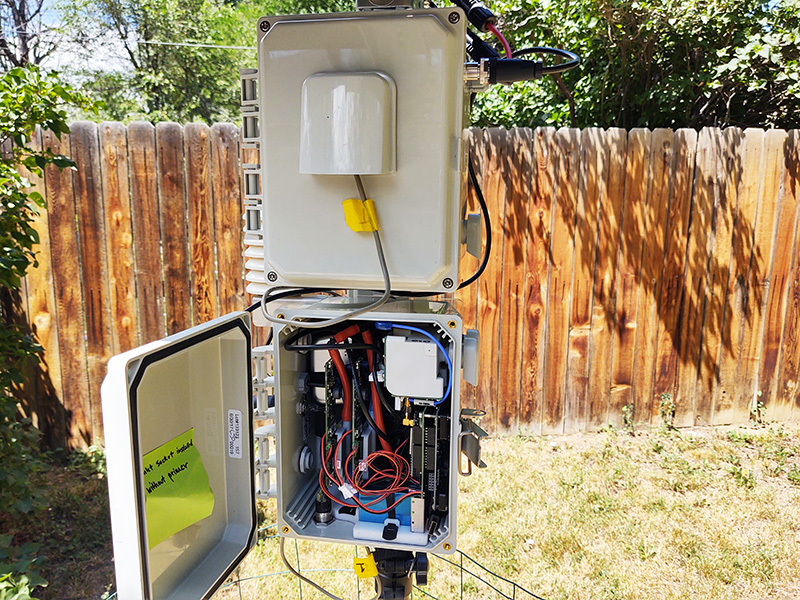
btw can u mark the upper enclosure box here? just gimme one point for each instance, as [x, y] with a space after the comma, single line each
[378, 94]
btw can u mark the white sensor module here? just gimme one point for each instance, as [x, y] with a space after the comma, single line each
[412, 368]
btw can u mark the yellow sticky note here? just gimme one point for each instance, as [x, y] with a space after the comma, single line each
[176, 488]
[365, 567]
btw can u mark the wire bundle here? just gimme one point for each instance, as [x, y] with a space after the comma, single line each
[397, 486]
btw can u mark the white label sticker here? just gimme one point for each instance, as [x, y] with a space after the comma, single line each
[234, 433]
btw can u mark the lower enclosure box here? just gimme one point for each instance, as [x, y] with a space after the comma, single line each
[367, 418]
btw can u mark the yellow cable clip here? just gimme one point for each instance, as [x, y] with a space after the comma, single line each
[365, 568]
[360, 216]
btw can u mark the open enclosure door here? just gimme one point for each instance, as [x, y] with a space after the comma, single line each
[179, 430]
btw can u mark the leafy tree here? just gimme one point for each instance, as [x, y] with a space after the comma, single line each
[24, 35]
[27, 98]
[655, 63]
[158, 78]
[161, 79]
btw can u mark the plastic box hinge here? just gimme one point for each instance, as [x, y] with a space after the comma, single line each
[249, 86]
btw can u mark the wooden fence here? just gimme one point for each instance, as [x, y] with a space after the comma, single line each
[630, 269]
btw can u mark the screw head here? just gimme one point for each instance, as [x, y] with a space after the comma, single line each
[285, 529]
[454, 17]
[264, 26]
[448, 283]
[452, 324]
[447, 546]
[272, 276]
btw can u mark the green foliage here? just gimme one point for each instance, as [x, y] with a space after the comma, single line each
[18, 570]
[88, 463]
[667, 63]
[628, 412]
[666, 409]
[163, 80]
[758, 412]
[794, 475]
[27, 98]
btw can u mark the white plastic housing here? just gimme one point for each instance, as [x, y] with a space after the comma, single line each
[152, 394]
[348, 124]
[412, 368]
[417, 199]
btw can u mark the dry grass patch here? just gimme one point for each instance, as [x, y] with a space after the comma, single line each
[703, 513]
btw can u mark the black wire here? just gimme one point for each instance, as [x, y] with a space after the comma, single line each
[334, 346]
[321, 332]
[487, 225]
[362, 404]
[573, 60]
[381, 397]
[286, 294]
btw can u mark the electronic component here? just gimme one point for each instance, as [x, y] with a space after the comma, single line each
[412, 368]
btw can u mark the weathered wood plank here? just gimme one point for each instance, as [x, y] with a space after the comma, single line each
[758, 279]
[47, 387]
[467, 297]
[778, 408]
[581, 411]
[736, 310]
[68, 296]
[787, 387]
[146, 232]
[201, 222]
[656, 221]
[536, 281]
[494, 189]
[647, 160]
[728, 169]
[604, 291]
[693, 302]
[227, 217]
[566, 150]
[675, 253]
[119, 236]
[87, 182]
[516, 224]
[174, 239]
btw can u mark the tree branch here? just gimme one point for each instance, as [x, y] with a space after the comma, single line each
[562, 87]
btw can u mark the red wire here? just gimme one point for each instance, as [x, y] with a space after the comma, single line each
[358, 503]
[503, 40]
[336, 357]
[377, 409]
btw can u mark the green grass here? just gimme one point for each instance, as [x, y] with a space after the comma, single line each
[703, 513]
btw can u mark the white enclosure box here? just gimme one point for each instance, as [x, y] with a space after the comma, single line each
[178, 424]
[376, 93]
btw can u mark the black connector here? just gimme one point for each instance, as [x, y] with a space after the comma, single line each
[390, 531]
[510, 70]
[477, 48]
[480, 16]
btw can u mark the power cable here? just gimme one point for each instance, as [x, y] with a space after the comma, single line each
[487, 225]
[195, 45]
